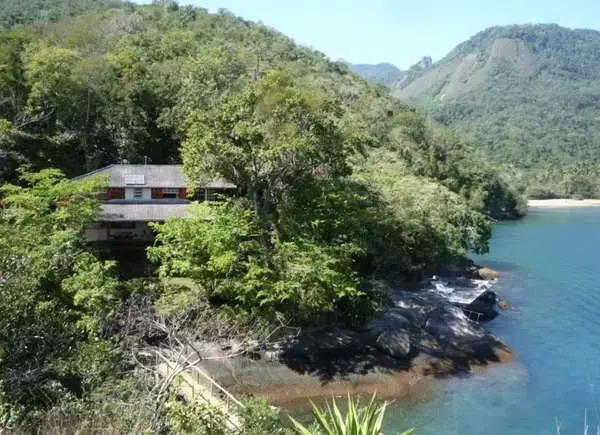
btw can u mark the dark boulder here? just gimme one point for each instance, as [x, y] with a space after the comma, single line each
[420, 324]
[456, 334]
[483, 308]
[328, 352]
[416, 306]
[392, 333]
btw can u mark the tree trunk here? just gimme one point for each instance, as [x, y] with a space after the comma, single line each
[256, 201]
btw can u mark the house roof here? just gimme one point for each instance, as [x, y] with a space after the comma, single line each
[145, 212]
[165, 176]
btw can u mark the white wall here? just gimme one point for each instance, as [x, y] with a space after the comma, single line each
[147, 194]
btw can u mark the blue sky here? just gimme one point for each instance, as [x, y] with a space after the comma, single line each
[399, 31]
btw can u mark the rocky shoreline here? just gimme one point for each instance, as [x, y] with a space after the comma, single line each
[419, 338]
[413, 382]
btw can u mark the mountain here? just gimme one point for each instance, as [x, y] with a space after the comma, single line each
[388, 75]
[529, 95]
[380, 73]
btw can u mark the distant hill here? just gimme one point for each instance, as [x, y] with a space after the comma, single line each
[380, 73]
[390, 75]
[528, 94]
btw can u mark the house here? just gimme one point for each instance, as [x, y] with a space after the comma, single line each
[139, 194]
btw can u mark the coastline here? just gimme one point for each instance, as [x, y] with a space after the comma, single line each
[416, 381]
[406, 353]
[562, 203]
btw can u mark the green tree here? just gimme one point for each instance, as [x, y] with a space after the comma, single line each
[268, 139]
[221, 248]
[55, 294]
[49, 74]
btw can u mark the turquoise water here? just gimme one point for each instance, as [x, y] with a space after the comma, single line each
[551, 267]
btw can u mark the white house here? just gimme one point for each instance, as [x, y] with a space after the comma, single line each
[138, 194]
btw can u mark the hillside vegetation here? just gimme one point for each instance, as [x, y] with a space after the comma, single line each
[527, 96]
[344, 192]
[15, 12]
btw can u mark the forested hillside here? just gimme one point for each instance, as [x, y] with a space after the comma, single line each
[15, 12]
[119, 86]
[345, 191]
[527, 96]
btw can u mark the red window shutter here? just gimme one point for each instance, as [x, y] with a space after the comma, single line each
[115, 193]
[183, 193]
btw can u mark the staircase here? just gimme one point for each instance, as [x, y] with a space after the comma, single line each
[197, 385]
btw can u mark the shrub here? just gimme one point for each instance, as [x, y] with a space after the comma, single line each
[367, 420]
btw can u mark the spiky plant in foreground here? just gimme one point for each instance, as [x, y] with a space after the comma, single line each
[367, 420]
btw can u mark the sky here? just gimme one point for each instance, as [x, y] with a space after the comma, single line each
[399, 31]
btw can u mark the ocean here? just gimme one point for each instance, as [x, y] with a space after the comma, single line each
[550, 262]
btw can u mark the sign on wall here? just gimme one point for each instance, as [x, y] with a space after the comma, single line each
[134, 179]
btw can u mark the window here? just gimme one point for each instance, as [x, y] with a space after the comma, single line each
[170, 193]
[138, 193]
[115, 193]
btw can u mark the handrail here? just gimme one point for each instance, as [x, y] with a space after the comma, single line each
[206, 377]
[219, 387]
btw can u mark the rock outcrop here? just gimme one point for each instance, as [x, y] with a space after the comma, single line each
[418, 323]
[392, 333]
[487, 273]
[503, 304]
[475, 296]
[443, 329]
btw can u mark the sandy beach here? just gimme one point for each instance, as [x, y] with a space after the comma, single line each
[562, 203]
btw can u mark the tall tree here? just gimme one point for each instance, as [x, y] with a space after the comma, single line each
[269, 139]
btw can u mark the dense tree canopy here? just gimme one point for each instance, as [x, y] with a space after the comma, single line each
[267, 139]
[56, 296]
[15, 12]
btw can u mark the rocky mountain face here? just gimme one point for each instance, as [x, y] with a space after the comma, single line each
[527, 94]
[388, 75]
